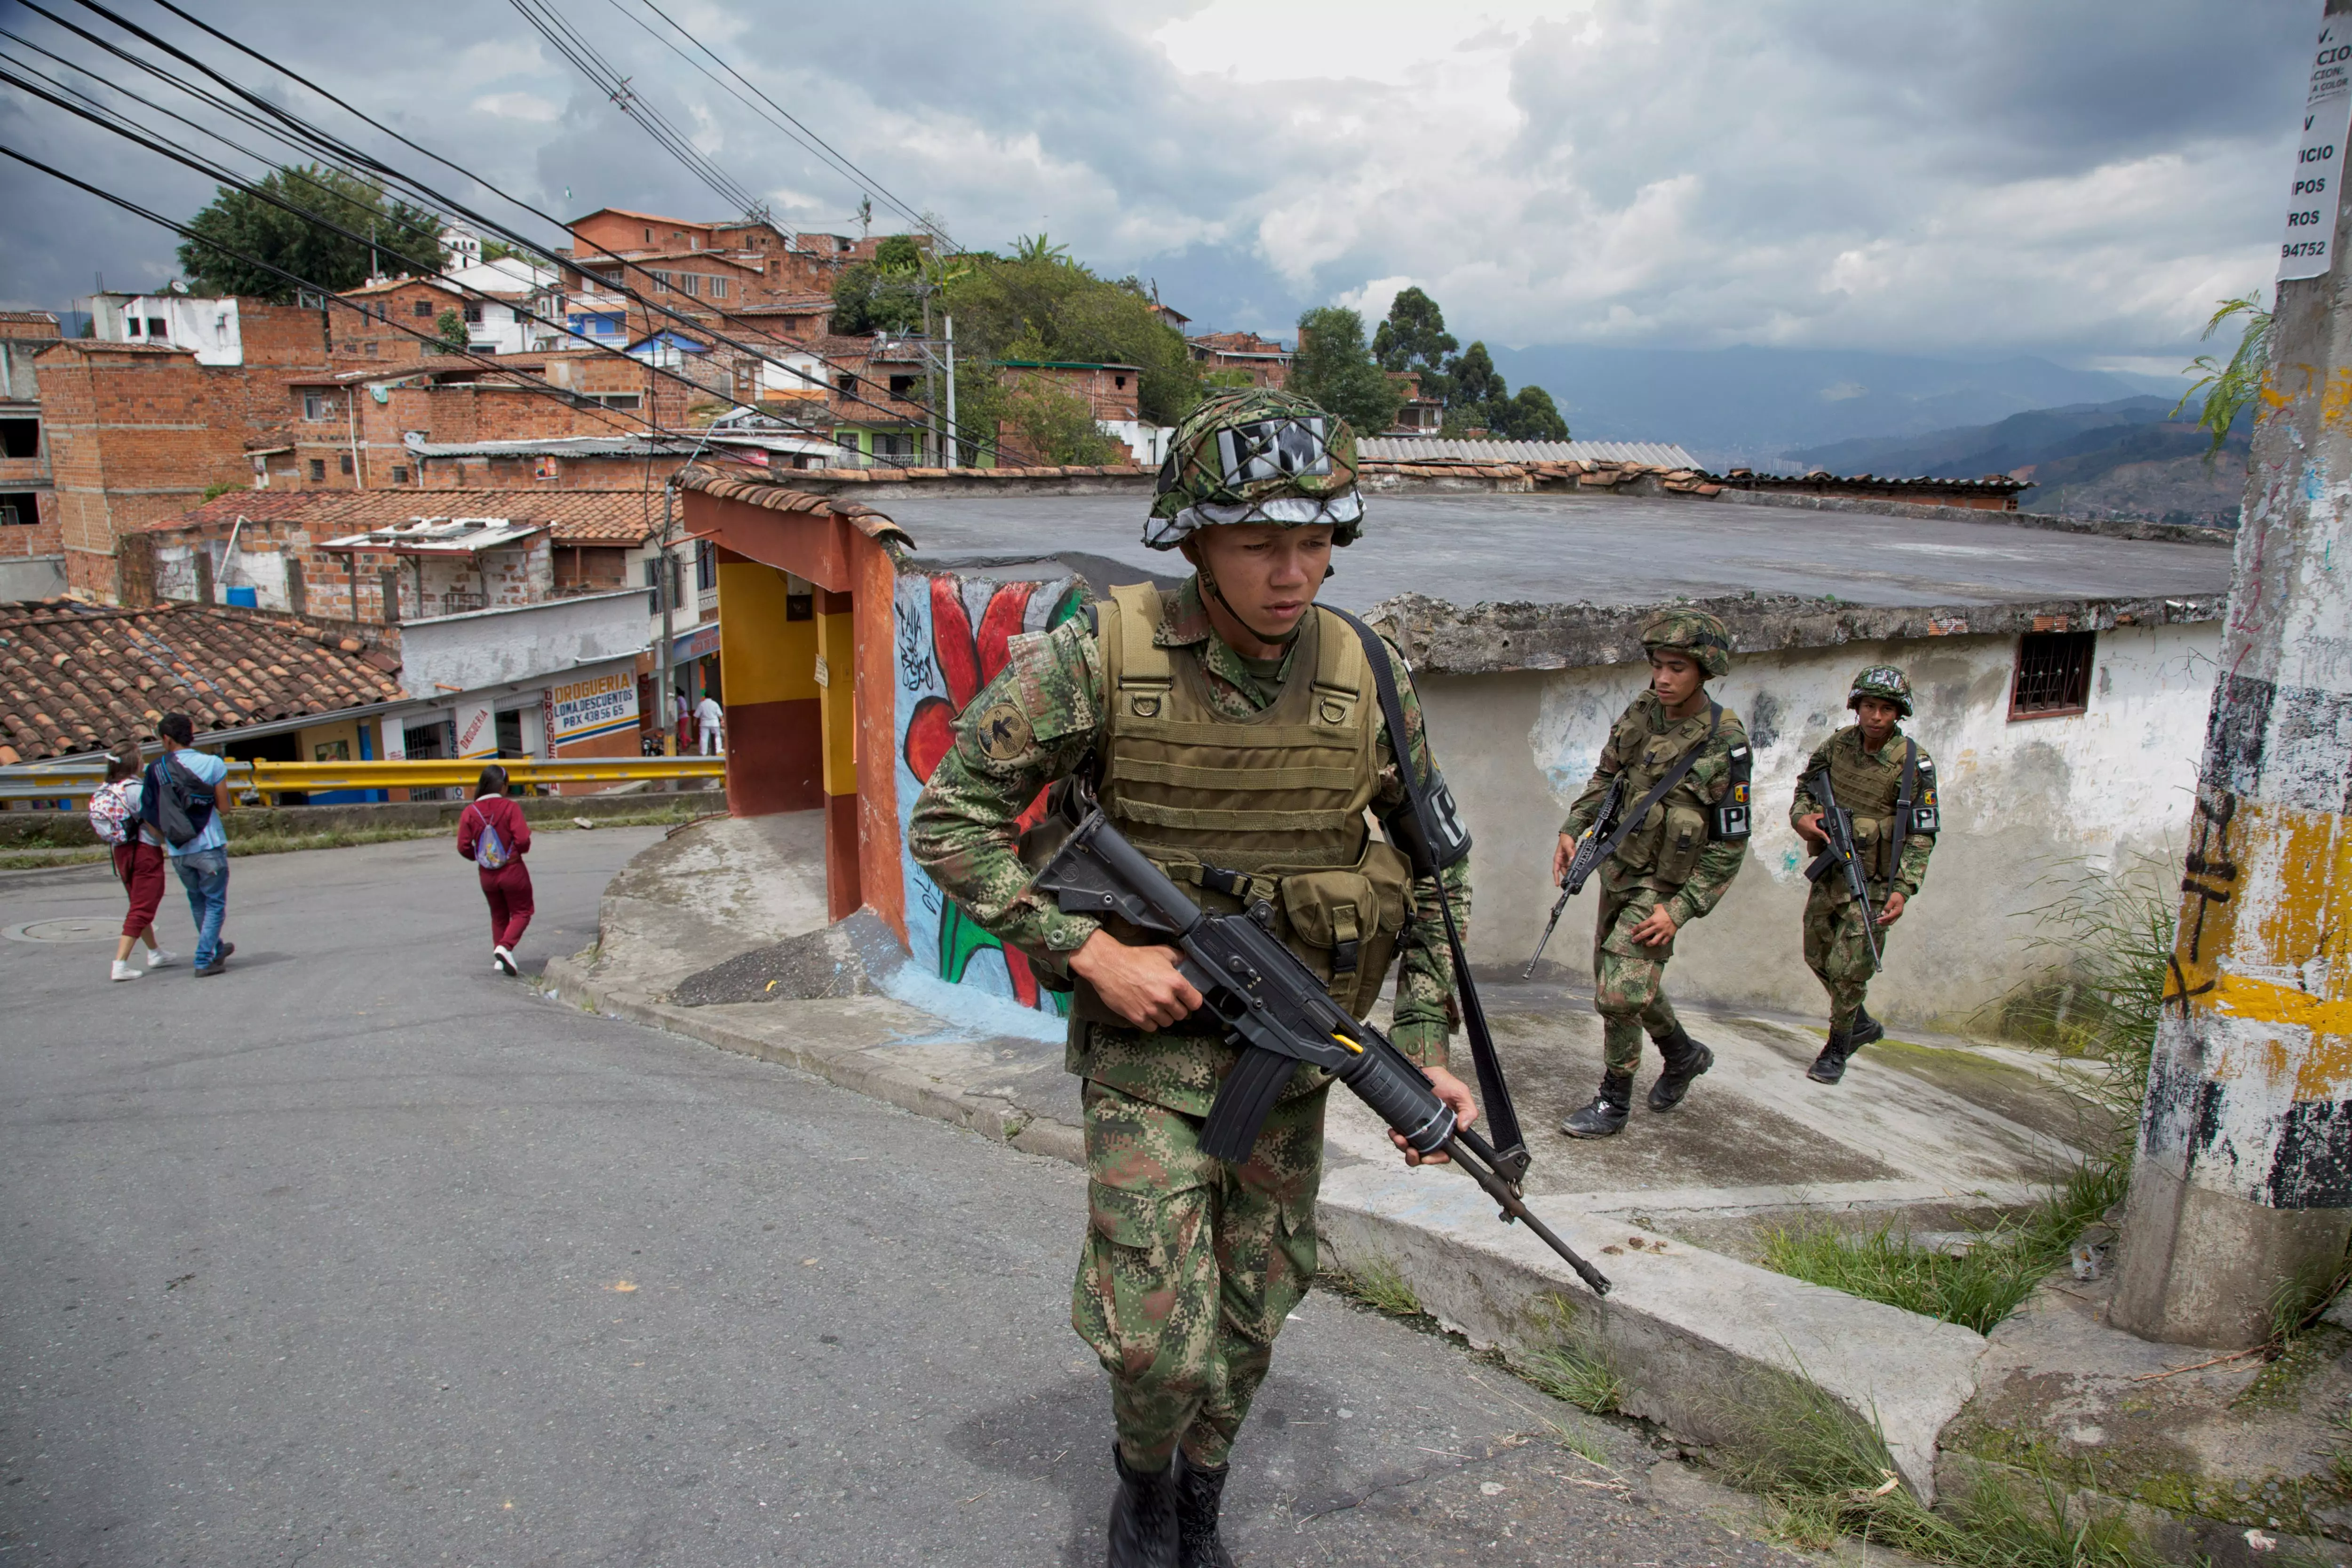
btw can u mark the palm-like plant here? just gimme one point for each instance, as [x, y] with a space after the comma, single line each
[2229, 388]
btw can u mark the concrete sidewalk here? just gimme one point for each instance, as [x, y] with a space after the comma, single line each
[1924, 1135]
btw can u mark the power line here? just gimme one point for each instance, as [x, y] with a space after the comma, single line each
[779, 117]
[608, 81]
[343, 154]
[490, 362]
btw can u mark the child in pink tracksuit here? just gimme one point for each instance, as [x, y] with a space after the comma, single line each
[493, 835]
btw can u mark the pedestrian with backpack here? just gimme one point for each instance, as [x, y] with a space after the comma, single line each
[138, 860]
[182, 799]
[495, 835]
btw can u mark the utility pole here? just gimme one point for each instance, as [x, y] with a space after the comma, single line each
[953, 429]
[667, 705]
[2242, 1188]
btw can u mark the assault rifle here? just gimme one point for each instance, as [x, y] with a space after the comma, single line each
[1591, 850]
[1840, 854]
[1275, 1009]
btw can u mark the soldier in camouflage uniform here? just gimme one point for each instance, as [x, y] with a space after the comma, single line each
[1676, 859]
[1234, 737]
[1879, 785]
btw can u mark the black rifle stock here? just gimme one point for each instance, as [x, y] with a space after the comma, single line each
[1278, 1013]
[1591, 850]
[1840, 854]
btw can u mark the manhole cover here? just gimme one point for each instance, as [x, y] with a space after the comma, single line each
[66, 927]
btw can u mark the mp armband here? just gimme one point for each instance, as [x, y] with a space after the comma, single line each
[1446, 841]
[1728, 822]
[1926, 817]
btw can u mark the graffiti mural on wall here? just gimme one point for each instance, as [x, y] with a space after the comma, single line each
[950, 643]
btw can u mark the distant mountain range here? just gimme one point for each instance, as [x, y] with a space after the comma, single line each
[1752, 406]
[2124, 458]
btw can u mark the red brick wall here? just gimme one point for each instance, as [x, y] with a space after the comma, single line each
[134, 436]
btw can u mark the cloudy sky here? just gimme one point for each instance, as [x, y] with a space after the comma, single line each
[2071, 179]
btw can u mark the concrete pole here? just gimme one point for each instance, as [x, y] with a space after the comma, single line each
[2243, 1190]
[667, 704]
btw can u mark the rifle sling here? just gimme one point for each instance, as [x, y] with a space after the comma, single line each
[1630, 820]
[1502, 1119]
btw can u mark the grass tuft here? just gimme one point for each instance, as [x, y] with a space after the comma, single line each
[1824, 1473]
[1575, 1373]
[1378, 1284]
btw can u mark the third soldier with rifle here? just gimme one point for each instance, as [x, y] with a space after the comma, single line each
[1665, 817]
[1867, 802]
[1234, 733]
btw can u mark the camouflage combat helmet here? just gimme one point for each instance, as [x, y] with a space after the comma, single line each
[1883, 682]
[1692, 632]
[1256, 455]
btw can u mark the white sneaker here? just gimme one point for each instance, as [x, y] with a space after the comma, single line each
[503, 962]
[124, 970]
[161, 958]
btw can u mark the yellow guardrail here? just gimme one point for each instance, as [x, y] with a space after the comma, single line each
[75, 781]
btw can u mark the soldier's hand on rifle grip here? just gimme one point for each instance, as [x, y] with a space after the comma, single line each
[1456, 1094]
[1561, 854]
[1893, 910]
[1809, 828]
[1138, 983]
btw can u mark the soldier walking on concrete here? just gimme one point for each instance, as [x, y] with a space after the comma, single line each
[1232, 732]
[1890, 792]
[1682, 833]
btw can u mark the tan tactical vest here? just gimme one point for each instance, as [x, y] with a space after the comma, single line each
[1278, 797]
[1867, 791]
[1664, 849]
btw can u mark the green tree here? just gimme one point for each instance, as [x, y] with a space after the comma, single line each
[1057, 426]
[1038, 304]
[1414, 338]
[2230, 389]
[1530, 417]
[886, 294]
[407, 239]
[1474, 384]
[451, 327]
[1336, 368]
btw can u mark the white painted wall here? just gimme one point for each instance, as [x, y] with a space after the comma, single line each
[505, 647]
[2022, 801]
[208, 326]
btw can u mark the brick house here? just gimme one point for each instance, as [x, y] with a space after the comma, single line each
[1266, 361]
[29, 504]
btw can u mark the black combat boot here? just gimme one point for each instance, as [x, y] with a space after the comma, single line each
[1143, 1517]
[1198, 1489]
[1830, 1066]
[1862, 1030]
[1685, 1060]
[1605, 1117]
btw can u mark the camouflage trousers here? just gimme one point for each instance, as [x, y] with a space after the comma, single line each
[1191, 1265]
[1629, 979]
[1835, 952]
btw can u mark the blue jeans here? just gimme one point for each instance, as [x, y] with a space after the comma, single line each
[205, 873]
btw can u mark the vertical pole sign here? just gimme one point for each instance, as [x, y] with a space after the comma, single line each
[2308, 249]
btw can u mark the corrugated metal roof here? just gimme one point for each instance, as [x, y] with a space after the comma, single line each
[1439, 449]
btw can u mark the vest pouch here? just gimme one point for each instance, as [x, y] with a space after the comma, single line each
[1682, 837]
[1344, 923]
[1872, 842]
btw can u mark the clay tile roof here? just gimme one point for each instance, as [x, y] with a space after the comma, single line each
[777, 498]
[570, 517]
[76, 678]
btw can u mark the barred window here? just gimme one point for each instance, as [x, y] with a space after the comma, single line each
[2053, 675]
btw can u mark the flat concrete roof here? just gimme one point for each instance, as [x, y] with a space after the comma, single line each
[1613, 551]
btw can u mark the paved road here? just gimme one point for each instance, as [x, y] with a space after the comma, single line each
[361, 1253]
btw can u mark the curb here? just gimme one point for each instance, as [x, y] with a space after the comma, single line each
[1687, 1329]
[845, 1067]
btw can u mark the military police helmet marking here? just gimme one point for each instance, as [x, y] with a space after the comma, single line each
[1884, 682]
[1256, 455]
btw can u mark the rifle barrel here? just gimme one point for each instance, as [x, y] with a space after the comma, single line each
[1514, 1207]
